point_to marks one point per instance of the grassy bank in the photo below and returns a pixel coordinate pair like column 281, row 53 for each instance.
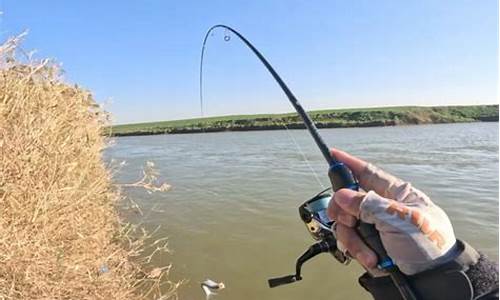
column 367, row 117
column 60, row 233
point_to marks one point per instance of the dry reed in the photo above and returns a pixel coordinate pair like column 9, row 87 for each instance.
column 60, row 235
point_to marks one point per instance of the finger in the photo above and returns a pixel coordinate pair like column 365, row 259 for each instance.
column 373, row 178
column 347, row 220
column 349, row 201
column 356, row 247
column 336, row 213
column 356, row 165
column 333, row 210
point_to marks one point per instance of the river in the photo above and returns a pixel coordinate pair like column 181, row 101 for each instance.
column 231, row 214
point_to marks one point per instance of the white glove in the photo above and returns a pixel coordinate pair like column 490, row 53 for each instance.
column 416, row 233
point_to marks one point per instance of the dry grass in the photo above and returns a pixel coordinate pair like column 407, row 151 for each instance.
column 60, row 236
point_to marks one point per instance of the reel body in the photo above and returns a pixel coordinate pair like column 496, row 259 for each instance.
column 313, row 213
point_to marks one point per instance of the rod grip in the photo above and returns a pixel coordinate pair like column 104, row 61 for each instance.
column 341, row 177
column 371, row 237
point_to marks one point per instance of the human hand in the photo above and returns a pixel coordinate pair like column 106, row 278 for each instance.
column 415, row 232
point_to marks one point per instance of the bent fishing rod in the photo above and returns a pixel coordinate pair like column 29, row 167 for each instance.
column 313, row 211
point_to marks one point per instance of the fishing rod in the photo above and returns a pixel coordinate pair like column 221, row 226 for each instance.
column 313, row 211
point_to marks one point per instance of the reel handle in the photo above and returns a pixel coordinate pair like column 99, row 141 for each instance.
column 341, row 177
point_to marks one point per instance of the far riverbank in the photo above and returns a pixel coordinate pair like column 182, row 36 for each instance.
column 338, row 118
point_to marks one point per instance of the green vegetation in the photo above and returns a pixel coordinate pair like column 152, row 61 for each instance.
column 356, row 117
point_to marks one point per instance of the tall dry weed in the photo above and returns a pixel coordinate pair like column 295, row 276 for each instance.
column 60, row 236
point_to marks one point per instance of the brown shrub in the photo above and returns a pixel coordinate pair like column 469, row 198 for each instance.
column 60, row 236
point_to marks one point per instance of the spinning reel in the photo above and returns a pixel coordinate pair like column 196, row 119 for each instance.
column 318, row 224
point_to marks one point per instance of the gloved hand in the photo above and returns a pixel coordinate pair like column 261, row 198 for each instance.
column 415, row 232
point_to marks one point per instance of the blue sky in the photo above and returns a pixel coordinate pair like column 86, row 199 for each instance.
column 141, row 58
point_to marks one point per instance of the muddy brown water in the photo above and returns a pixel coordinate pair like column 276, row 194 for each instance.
column 232, row 212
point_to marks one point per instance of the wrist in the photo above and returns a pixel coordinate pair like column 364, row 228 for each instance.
column 467, row 276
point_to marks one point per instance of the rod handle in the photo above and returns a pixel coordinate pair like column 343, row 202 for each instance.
column 371, row 237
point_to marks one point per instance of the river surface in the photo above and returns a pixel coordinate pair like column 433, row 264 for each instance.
column 231, row 214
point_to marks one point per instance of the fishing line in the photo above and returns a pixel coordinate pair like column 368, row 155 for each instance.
column 304, row 156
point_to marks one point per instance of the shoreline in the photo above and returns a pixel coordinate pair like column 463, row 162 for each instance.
column 290, row 127
column 350, row 118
